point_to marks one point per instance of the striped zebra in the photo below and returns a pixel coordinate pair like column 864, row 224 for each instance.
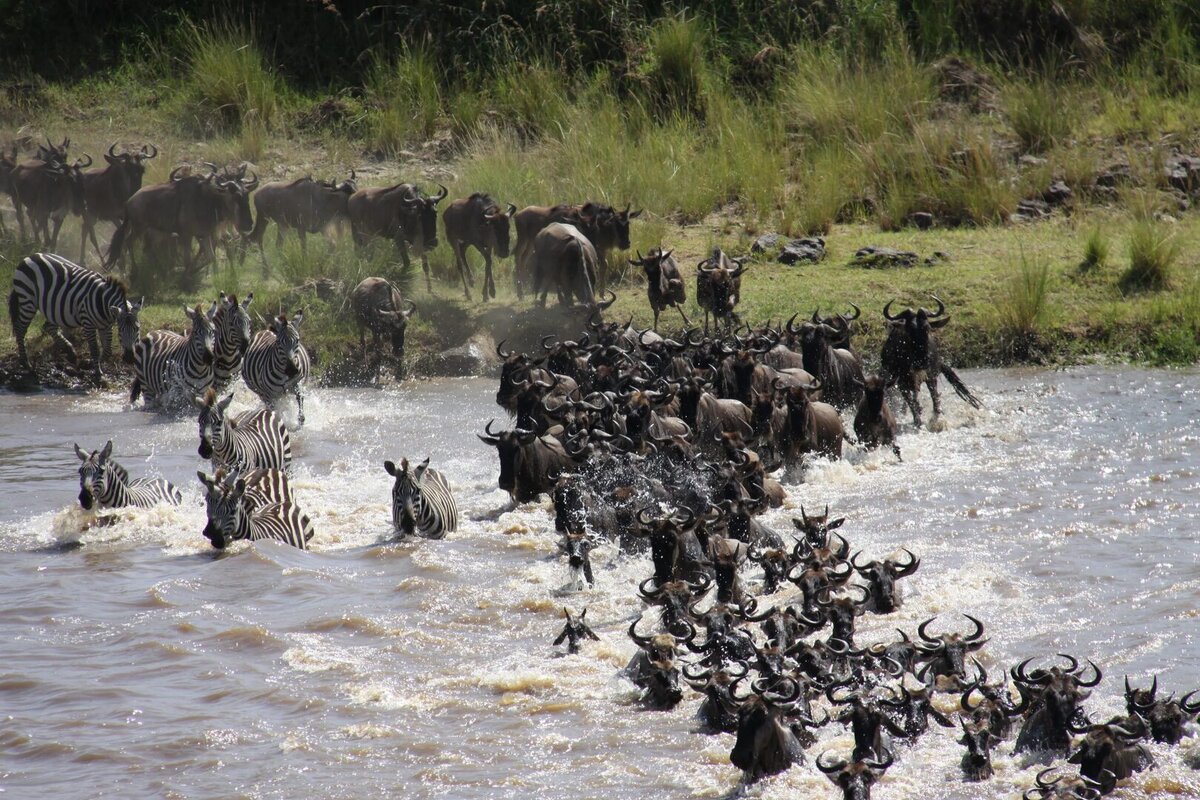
column 256, row 506
column 164, row 361
column 421, row 501
column 105, row 482
column 277, row 363
column 71, row 296
column 251, row 440
column 231, row 331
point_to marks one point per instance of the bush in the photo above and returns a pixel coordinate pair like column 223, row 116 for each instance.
column 1153, row 251
column 228, row 83
column 677, row 71
column 1095, row 251
column 1022, row 305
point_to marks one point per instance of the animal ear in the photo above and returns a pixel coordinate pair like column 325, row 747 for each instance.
column 239, row 487
column 224, row 404
column 207, row 481
column 198, row 403
column 106, row 451
column 837, row 523
column 212, row 310
column 82, row 455
column 246, row 302
column 138, row 305
column 420, row 470
column 115, row 310
column 938, row 323
column 390, row 467
column 298, row 318
column 636, row 214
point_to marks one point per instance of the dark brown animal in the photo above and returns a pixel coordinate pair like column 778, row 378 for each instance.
column 401, row 213
column 604, row 227
column 380, row 308
column 107, row 189
column 304, row 205
column 564, row 259
column 47, row 191
column 477, row 221
column 719, row 287
column 910, row 357
column 187, row 207
column 529, row 464
column 874, row 422
column 664, row 284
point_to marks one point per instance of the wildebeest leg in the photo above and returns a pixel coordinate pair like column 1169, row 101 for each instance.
column 489, row 285
column 303, row 242
column 908, row 391
column 464, row 269
column 58, row 221
column 686, row 323
column 932, row 383
column 655, row 310
column 425, row 267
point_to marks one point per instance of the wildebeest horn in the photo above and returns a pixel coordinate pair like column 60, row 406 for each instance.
column 1038, row 676
column 488, row 428
column 602, row 305
column 112, row 150
column 854, row 562
column 978, row 634
column 880, row 766
column 250, row 184
column 500, row 350
column 921, row 631
column 649, row 594
column 147, row 154
column 174, row 176
column 642, row 517
column 941, row 306
column 642, row 641
column 792, row 329
column 1074, row 662
column 1190, row 708
column 830, row 768
column 888, row 316
column 903, row 569
column 1094, row 680
column 79, row 162
column 441, row 195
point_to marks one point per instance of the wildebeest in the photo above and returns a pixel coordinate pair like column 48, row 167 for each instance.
column 187, row 207
column 874, row 423
column 867, row 722
column 303, row 205
column 575, row 630
column 719, row 287
column 839, row 370
column 401, row 213
column 994, row 708
column 529, row 464
column 1052, row 697
column 565, row 260
column 881, row 577
column 604, row 226
column 910, row 357
column 664, row 284
column 107, row 189
column 855, row 779
column 1109, row 753
column 477, row 221
column 1166, row 717
column 655, row 668
column 977, row 761
column 1062, row 787
column 805, row 426
column 947, row 652
column 47, row 190
column 380, row 308
column 766, row 744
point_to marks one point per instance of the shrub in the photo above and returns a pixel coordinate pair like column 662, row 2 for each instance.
column 1022, row 305
column 228, row 83
column 1152, row 251
column 1095, row 251
column 407, row 97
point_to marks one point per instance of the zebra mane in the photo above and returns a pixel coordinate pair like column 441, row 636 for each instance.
column 118, row 471
column 117, row 283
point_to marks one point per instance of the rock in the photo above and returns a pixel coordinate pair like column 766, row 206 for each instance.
column 883, row 258
column 960, row 82
column 1183, row 172
column 1027, row 160
column 936, row 257
column 803, row 251
column 768, row 241
column 1115, row 175
column 1057, row 193
column 922, row 219
column 1030, row 210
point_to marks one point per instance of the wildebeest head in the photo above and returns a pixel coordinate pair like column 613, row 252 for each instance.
column 1062, row 787
column 496, row 221
column 1139, row 701
column 211, row 421
column 1166, row 717
column 419, row 216
column 881, row 577
column 93, row 474
column 510, row 446
column 917, row 324
column 856, row 779
column 915, row 706
column 1109, row 753
column 977, row 761
column 605, row 224
column 1053, row 696
column 841, row 611
column 129, row 166
column 232, row 195
column 719, row 710
column 395, row 323
column 655, row 668
column 948, row 651
column 816, row 527
column 766, row 744
column 575, row 630
column 52, row 153
column 994, row 708
column 578, row 548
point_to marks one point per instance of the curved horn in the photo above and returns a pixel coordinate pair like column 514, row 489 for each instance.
column 488, row 428
column 146, row 153
column 978, row 634
column 500, row 350
column 441, row 195
column 830, row 768
column 941, row 306
column 1093, row 681
column 111, row 153
column 641, row 641
column 888, row 316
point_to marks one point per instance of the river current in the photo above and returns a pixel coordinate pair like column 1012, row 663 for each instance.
column 137, row 662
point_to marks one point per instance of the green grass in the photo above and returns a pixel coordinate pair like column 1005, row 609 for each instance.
column 1095, row 251
column 1152, row 250
column 406, row 98
column 1042, row 112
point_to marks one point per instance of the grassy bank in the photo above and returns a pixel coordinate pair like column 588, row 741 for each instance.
column 853, row 128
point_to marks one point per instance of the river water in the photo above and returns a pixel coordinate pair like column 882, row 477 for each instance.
column 135, row 662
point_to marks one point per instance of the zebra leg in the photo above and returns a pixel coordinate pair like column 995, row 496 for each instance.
column 93, row 340
column 106, row 341
column 20, row 326
column 56, row 334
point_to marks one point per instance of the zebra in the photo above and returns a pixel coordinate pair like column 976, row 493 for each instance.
column 71, row 296
column 251, row 440
column 421, row 501
column 277, row 363
column 164, row 360
column 104, row 481
column 257, row 506
column 231, row 329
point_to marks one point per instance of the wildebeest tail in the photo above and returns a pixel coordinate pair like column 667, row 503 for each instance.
column 960, row 387
column 117, row 244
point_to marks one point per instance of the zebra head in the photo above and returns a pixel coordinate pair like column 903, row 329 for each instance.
column 232, row 323
column 223, row 504
column 129, row 327
column 202, row 337
column 93, row 474
column 212, row 422
column 407, row 483
column 287, row 341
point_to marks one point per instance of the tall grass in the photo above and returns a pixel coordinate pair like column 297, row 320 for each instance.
column 406, row 96
column 228, row 84
column 1153, row 251
column 1022, row 305
column 1096, row 250
column 1042, row 112
column 678, row 72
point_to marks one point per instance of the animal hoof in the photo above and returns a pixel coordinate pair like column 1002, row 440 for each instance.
column 937, row 425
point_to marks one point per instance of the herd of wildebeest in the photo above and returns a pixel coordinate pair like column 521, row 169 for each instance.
column 659, row 444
